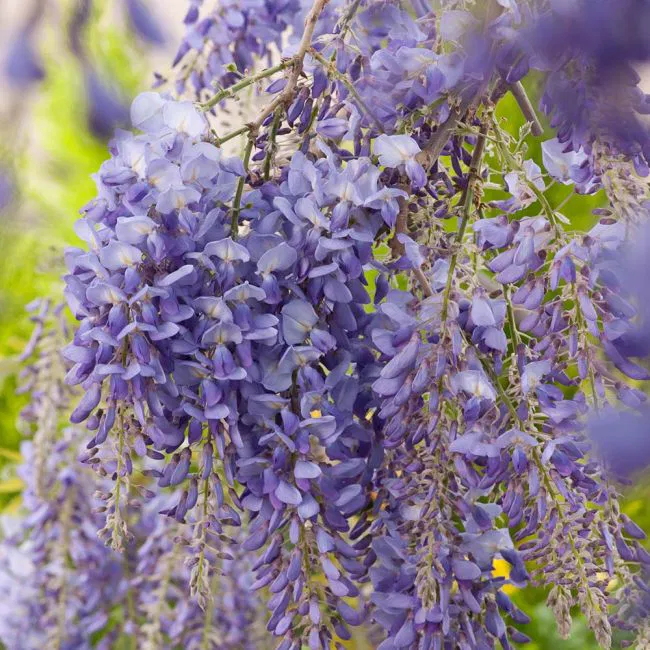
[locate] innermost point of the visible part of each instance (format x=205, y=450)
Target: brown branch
x=287, y=94
x=466, y=200
x=526, y=107
x=433, y=148
x=397, y=248
x=427, y=157
x=401, y=222
x=475, y=162
x=424, y=283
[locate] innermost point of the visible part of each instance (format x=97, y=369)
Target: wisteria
x=64, y=585
x=318, y=389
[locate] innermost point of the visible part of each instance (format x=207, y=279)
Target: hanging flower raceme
x=347, y=372
x=251, y=346
x=65, y=583
x=223, y=42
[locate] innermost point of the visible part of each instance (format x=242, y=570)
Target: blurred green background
x=50, y=154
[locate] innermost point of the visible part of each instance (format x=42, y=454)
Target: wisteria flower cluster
x=325, y=385
x=65, y=588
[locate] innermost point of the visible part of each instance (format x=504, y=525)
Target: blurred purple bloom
x=622, y=441
x=398, y=150
x=7, y=189
x=23, y=65
x=144, y=22
x=106, y=110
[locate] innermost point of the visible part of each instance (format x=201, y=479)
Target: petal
x=306, y=469
x=177, y=275
x=222, y=333
x=482, y=313
x=184, y=117
x=134, y=230
x=245, y=291
x=118, y=255
x=146, y=112
x=101, y=293
x=278, y=258
x=416, y=173
x=87, y=404
x=288, y=494
x=403, y=361
x=227, y=250
x=308, y=508
x=395, y=150
x=298, y=318
x=322, y=427
x=465, y=570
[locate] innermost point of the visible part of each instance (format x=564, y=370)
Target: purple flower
x=398, y=150
x=144, y=22
x=23, y=65
x=622, y=441
x=106, y=110
x=474, y=382
x=533, y=374
x=567, y=166
x=519, y=188
x=334, y=367
x=6, y=189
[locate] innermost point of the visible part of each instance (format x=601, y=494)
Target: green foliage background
x=54, y=176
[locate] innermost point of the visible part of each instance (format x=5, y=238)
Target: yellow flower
x=502, y=569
